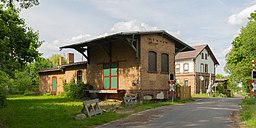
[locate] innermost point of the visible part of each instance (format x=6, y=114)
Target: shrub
x=248, y=106
x=3, y=101
x=76, y=90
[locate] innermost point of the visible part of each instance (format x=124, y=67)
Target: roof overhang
x=129, y=37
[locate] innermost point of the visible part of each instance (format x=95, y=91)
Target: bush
x=248, y=106
x=3, y=101
x=76, y=90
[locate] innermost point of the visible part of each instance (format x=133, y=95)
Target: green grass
x=48, y=111
x=205, y=95
x=248, y=114
x=59, y=112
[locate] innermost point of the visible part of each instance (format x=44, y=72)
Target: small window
x=206, y=56
x=79, y=76
x=177, y=68
x=202, y=55
x=186, y=82
x=165, y=62
x=152, y=61
x=206, y=68
x=202, y=67
x=186, y=67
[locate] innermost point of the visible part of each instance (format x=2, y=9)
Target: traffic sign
x=251, y=81
x=254, y=74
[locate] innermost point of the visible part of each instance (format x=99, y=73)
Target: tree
x=22, y=3
x=242, y=53
x=55, y=59
x=18, y=43
x=220, y=76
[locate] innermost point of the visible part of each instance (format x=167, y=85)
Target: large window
x=206, y=68
x=79, y=76
x=152, y=61
x=177, y=68
x=202, y=67
x=164, y=62
x=186, y=67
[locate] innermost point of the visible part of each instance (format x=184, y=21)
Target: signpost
x=253, y=80
x=215, y=86
x=201, y=79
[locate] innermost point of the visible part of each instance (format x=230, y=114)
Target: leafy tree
x=22, y=3
x=22, y=80
x=5, y=83
x=18, y=43
x=242, y=53
x=220, y=76
x=55, y=59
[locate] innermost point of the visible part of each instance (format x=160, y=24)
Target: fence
x=183, y=92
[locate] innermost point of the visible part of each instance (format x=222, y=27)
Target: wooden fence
x=183, y=92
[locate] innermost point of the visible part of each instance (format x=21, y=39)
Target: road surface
x=203, y=113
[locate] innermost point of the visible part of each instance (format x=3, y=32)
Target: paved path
x=204, y=113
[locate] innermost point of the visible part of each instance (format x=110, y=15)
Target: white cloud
x=134, y=25
x=50, y=48
x=241, y=17
x=131, y=25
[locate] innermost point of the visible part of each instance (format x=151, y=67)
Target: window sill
x=164, y=72
x=155, y=72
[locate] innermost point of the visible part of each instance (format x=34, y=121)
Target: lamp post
x=201, y=79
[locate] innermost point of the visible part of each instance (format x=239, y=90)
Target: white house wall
x=182, y=62
x=209, y=61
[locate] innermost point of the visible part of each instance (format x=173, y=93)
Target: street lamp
x=201, y=79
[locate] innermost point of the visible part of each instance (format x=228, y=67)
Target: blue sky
x=213, y=22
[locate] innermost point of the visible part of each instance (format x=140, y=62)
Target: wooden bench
x=91, y=107
x=130, y=99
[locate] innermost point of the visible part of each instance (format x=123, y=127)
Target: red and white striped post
x=253, y=63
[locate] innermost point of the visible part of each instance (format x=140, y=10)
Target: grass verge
x=56, y=112
x=248, y=114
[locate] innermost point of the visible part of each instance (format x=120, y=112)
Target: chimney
x=70, y=58
x=61, y=60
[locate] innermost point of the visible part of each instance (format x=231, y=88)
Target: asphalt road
x=204, y=113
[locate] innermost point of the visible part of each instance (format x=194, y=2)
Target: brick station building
x=51, y=80
x=137, y=62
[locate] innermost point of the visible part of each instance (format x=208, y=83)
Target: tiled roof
x=60, y=67
x=194, y=53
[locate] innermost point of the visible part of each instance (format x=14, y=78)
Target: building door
x=54, y=85
x=110, y=76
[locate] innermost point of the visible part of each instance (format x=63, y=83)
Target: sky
x=195, y=22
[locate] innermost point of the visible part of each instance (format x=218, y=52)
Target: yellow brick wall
x=124, y=55
x=158, y=44
x=45, y=79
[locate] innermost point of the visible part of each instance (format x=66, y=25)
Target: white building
x=196, y=68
